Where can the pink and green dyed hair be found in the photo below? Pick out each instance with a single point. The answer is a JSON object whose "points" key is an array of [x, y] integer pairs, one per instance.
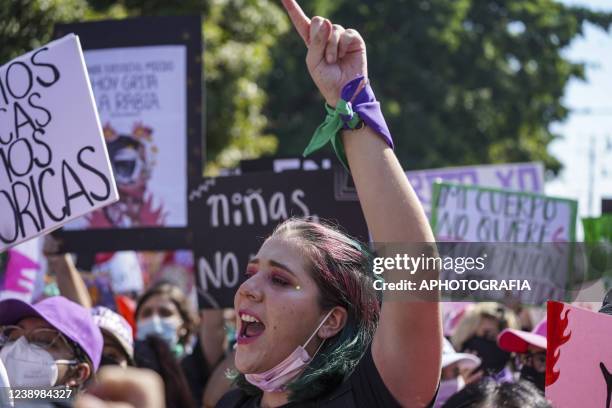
{"points": [[341, 268]]}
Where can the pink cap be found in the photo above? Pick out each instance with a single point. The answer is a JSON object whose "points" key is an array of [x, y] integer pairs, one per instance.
{"points": [[517, 341]]}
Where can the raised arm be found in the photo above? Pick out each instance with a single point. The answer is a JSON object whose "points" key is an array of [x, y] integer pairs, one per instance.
{"points": [[408, 342], [69, 281]]}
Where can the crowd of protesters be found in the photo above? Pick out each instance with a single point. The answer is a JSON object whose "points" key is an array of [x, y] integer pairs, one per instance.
{"points": [[308, 329], [64, 341]]}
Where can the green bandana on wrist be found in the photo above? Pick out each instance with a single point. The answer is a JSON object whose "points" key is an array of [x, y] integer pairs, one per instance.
{"points": [[329, 130]]}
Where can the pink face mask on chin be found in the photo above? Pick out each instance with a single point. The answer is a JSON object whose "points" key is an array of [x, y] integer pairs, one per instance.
{"points": [[277, 378]]}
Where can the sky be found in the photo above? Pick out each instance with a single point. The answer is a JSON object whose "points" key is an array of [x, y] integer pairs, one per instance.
{"points": [[585, 148]]}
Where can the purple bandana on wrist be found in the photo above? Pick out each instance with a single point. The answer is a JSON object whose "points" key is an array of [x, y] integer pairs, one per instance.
{"points": [[368, 108]]}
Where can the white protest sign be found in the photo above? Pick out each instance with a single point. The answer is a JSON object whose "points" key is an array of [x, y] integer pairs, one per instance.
{"points": [[23, 273], [54, 166], [525, 236], [527, 177], [479, 214], [141, 94]]}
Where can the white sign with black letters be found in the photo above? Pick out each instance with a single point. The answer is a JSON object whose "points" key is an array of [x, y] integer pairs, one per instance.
{"points": [[54, 166]]}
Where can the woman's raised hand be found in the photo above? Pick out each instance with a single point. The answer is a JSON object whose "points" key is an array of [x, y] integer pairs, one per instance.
{"points": [[335, 55]]}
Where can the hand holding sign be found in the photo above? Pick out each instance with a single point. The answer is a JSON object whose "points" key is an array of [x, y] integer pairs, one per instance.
{"points": [[335, 55]]}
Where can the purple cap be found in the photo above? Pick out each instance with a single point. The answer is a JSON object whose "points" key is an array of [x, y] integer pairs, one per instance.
{"points": [[72, 320]]}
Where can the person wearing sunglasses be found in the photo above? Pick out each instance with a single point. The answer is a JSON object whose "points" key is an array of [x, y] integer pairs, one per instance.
{"points": [[54, 342], [530, 350]]}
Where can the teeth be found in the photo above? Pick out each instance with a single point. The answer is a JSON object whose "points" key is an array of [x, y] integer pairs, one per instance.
{"points": [[249, 319]]}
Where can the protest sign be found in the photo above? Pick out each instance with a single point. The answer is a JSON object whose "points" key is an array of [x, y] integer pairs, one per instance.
{"points": [[527, 177], [100, 289], [124, 272], [53, 162], [234, 215], [146, 78], [578, 358], [606, 205], [524, 235], [345, 187], [23, 275], [480, 214], [172, 266], [316, 161]]}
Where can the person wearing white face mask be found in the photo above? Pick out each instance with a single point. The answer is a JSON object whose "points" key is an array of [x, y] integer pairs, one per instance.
{"points": [[165, 313], [454, 367], [165, 328], [5, 400], [48, 344]]}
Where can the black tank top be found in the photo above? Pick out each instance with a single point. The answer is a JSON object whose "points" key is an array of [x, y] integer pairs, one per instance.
{"points": [[363, 389]]}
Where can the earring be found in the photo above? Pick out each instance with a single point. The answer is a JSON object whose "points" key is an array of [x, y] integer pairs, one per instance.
{"points": [[298, 287]]}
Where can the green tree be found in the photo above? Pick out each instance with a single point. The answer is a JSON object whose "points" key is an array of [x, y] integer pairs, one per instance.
{"points": [[460, 81], [238, 35], [28, 24], [475, 81]]}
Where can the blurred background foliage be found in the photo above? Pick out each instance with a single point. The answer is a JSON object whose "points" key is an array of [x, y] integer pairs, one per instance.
{"points": [[460, 81]]}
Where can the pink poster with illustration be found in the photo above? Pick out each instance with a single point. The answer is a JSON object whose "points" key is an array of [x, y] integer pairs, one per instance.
{"points": [[22, 274], [141, 95], [579, 357]]}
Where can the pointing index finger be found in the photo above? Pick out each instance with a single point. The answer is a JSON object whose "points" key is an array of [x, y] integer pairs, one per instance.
{"points": [[299, 19]]}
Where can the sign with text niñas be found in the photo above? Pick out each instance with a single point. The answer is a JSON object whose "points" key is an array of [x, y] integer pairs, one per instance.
{"points": [[54, 166], [235, 214]]}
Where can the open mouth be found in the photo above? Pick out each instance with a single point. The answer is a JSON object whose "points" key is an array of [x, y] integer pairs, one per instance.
{"points": [[127, 165], [251, 327]]}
